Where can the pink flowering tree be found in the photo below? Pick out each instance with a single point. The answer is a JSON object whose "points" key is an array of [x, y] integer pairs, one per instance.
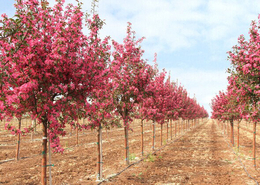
{"points": [[225, 108], [131, 75], [245, 67], [48, 66], [155, 104]]}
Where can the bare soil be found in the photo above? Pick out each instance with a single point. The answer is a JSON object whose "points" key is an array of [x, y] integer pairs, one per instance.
{"points": [[200, 156]]}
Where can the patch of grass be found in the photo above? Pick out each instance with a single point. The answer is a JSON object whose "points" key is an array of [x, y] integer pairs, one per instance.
{"points": [[160, 157], [139, 175], [132, 157], [151, 158], [229, 162]]}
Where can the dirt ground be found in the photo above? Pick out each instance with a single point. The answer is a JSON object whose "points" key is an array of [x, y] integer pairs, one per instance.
{"points": [[200, 156]]}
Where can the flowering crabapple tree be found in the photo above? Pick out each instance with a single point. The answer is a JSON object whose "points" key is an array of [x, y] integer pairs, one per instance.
{"points": [[225, 108], [172, 103], [155, 102], [101, 114], [131, 75], [245, 67], [48, 66]]}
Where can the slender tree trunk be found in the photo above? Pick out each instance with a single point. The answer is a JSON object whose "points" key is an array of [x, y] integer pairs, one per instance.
{"points": [[167, 130], [77, 135], [171, 128], [232, 132], [34, 124], [126, 146], [32, 133], [254, 144], [142, 137], [153, 135], [44, 152], [18, 140], [50, 165], [161, 133], [175, 130], [179, 127], [83, 122], [238, 135], [99, 163]]}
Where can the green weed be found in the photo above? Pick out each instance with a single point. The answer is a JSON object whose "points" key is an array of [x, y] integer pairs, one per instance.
{"points": [[132, 157]]}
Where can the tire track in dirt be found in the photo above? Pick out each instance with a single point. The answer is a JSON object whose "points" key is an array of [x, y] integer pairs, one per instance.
{"points": [[200, 157]]}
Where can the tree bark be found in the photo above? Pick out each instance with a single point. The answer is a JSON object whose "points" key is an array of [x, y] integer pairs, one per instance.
{"points": [[175, 130], [232, 132], [238, 135], [77, 135], [18, 139], [254, 145], [171, 128], [50, 165], [153, 135], [126, 146], [44, 152], [99, 148], [167, 130], [142, 137], [161, 133]]}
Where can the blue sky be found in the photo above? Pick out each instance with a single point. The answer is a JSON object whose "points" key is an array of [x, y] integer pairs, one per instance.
{"points": [[190, 37]]}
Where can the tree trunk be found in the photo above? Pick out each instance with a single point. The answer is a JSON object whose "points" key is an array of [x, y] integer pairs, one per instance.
{"points": [[171, 128], [34, 124], [77, 135], [44, 152], [254, 145], [238, 135], [153, 135], [232, 132], [50, 165], [126, 146], [83, 122], [32, 133], [167, 130], [142, 137], [161, 133], [175, 131], [18, 139], [99, 143]]}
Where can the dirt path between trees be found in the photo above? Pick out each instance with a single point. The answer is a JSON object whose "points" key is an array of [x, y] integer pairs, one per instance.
{"points": [[200, 157]]}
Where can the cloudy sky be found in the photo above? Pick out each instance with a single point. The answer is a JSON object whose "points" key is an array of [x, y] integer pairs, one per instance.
{"points": [[190, 37]]}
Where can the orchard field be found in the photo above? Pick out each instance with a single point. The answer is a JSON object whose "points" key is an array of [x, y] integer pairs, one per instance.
{"points": [[78, 108], [199, 155]]}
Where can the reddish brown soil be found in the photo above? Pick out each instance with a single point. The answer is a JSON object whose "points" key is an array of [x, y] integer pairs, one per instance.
{"points": [[201, 156]]}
